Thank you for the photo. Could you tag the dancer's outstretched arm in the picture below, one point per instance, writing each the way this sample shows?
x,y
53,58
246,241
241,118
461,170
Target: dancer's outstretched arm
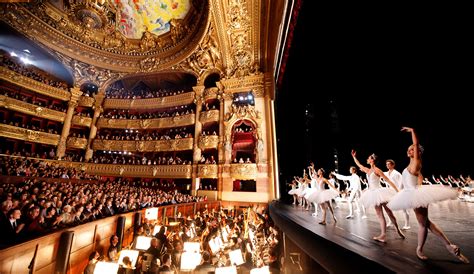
x,y
362,168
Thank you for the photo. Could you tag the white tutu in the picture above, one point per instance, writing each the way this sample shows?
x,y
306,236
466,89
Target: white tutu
x,y
300,192
376,196
293,191
421,196
308,192
320,197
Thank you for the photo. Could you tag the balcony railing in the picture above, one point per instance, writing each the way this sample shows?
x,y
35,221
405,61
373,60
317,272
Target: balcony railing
x,y
150,103
209,116
74,142
207,171
144,146
243,171
81,121
208,141
31,109
86,101
28,135
33,85
168,122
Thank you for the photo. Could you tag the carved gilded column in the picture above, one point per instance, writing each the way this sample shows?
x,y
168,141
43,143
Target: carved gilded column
x,y
197,133
75,95
222,146
99,99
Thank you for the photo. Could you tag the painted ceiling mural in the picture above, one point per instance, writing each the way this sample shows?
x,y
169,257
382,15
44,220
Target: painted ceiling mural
x,y
137,16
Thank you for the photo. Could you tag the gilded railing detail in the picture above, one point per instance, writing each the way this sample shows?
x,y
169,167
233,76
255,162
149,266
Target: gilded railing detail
x,y
168,122
208,141
30,109
38,87
144,146
28,135
150,103
209,116
81,121
86,101
162,171
74,142
207,171
243,171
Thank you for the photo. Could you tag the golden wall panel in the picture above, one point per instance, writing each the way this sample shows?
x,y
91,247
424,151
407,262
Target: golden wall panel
x,y
74,142
150,103
243,171
168,122
33,85
28,135
81,121
144,146
209,141
30,109
209,116
207,171
86,101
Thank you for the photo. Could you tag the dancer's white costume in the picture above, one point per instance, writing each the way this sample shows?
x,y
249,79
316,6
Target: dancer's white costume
x,y
293,190
375,194
414,196
396,178
322,195
354,188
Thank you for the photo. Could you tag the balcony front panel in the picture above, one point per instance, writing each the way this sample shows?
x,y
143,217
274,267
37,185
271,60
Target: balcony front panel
x,y
81,121
73,142
211,93
33,85
144,146
150,103
209,116
168,122
209,141
243,171
162,171
86,101
30,109
28,135
207,171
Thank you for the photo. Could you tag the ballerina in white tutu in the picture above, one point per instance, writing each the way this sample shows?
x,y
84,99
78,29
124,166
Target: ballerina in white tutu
x,y
377,196
292,192
323,197
312,189
303,183
418,197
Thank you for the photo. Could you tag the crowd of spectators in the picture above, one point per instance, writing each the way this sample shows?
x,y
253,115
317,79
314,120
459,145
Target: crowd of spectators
x,y
124,158
122,93
14,64
50,104
127,114
51,129
135,135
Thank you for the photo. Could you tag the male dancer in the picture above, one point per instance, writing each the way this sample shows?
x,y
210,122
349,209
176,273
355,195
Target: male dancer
x,y
354,188
396,177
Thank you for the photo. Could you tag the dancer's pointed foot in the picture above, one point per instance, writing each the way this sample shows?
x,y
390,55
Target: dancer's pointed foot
x,y
400,233
322,223
334,218
389,224
314,214
379,238
420,254
456,251
406,227
349,216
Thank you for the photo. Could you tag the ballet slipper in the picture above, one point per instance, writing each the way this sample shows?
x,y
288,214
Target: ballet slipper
x,y
420,254
456,251
400,233
379,239
335,220
322,223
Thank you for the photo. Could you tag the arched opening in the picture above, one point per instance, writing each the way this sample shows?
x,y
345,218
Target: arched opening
x,y
243,142
211,80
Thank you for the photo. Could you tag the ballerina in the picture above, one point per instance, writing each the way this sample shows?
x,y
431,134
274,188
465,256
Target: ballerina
x,y
323,197
416,196
377,196
292,192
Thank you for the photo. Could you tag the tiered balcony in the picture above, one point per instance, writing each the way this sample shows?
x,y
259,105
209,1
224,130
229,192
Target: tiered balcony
x,y
73,142
167,122
244,171
209,116
28,135
207,171
150,103
144,146
208,141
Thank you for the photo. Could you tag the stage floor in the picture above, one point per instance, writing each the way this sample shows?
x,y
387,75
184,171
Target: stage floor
x,y
455,218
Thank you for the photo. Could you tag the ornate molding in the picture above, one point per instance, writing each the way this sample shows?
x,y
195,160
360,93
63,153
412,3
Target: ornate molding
x,y
79,32
209,116
73,142
151,103
28,135
86,101
242,112
81,121
206,142
144,146
254,83
30,109
207,171
168,122
243,171
210,93
33,85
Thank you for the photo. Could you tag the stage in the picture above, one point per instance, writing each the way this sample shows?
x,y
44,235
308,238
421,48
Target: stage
x,y
347,246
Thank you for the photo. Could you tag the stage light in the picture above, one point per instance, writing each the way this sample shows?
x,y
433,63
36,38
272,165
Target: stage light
x,y
250,97
25,60
13,54
226,270
106,268
241,98
143,242
189,260
151,213
236,257
262,270
131,254
192,247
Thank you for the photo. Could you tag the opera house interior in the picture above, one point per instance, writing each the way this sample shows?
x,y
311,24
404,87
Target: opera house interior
x,y
139,136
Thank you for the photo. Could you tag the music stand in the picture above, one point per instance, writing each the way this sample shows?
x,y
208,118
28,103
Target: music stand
x,y
132,254
106,268
143,243
226,270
